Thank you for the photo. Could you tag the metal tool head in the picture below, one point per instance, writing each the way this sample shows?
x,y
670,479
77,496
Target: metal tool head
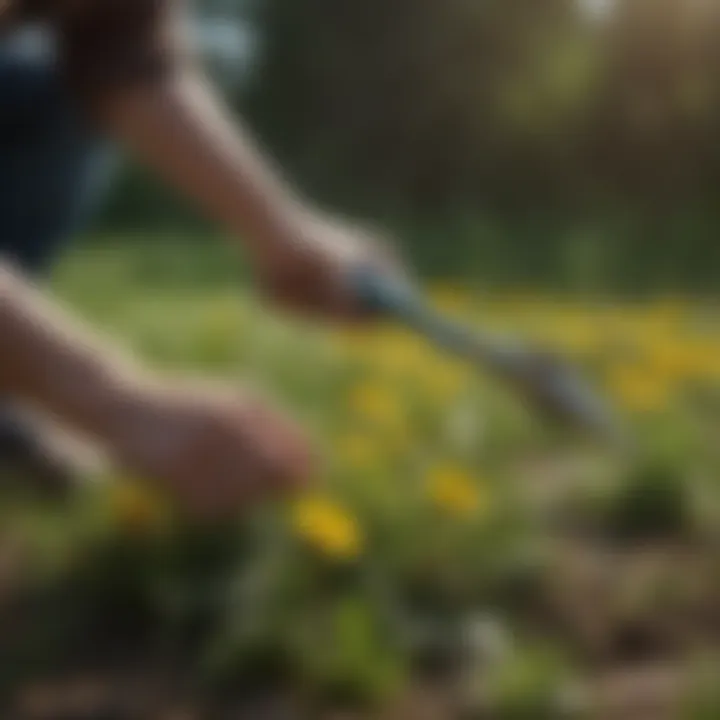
x,y
556,389
548,384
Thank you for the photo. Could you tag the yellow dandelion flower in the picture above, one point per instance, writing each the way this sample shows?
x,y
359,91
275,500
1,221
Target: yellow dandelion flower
x,y
575,335
398,352
327,527
706,360
445,380
640,389
687,358
136,509
385,349
377,403
453,491
672,357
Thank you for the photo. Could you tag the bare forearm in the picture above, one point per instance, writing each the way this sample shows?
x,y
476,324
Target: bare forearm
x,y
50,360
180,130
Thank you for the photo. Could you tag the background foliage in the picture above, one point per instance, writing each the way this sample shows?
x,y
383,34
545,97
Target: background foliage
x,y
544,142
457,558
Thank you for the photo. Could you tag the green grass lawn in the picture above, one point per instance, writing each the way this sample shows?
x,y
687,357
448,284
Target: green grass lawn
x,y
455,552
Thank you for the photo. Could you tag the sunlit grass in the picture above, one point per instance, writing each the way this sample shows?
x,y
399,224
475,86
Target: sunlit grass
x,y
420,499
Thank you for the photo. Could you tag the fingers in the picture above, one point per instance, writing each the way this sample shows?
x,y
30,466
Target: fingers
x,y
258,455
282,451
216,452
321,284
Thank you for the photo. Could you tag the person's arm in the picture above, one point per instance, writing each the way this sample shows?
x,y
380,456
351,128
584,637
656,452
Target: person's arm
x,y
178,127
52,361
214,448
130,65
138,78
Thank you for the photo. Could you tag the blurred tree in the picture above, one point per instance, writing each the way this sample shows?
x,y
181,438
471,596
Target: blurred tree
x,y
534,120
417,101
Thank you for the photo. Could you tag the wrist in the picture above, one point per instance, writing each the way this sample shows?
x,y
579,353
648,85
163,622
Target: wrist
x,y
274,235
102,407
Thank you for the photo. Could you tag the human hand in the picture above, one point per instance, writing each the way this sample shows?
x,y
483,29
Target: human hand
x,y
309,269
214,448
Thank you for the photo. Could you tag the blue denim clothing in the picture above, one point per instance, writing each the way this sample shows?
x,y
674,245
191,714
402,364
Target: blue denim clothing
x,y
53,171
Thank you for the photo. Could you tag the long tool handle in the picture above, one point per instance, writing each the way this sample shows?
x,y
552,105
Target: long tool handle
x,y
550,385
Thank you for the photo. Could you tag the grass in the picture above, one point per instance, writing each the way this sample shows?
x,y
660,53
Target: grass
x,y
455,552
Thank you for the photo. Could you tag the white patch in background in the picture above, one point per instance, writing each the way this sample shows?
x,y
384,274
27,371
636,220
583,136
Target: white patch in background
x,y
229,46
597,9
30,41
